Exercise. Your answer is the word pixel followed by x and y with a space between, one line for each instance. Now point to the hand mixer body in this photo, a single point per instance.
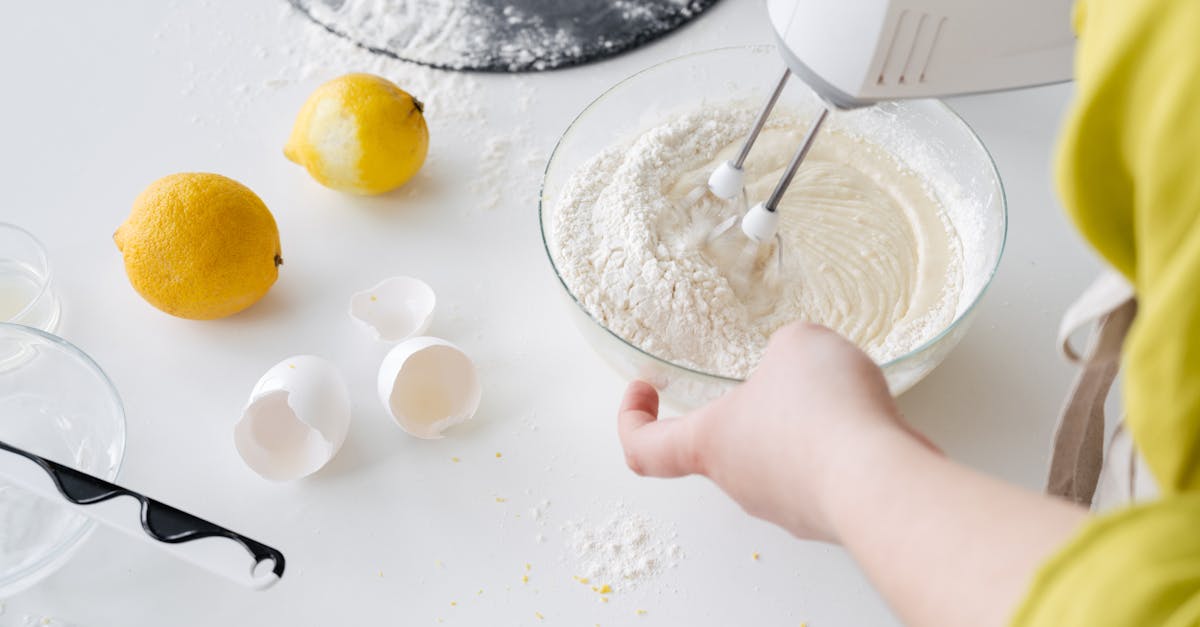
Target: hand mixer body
pixel 857 52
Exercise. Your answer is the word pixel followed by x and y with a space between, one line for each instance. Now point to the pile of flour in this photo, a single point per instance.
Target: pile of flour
pixel 867 249
pixel 624 550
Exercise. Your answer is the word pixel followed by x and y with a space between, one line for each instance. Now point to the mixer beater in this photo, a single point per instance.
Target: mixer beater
pixel 751 255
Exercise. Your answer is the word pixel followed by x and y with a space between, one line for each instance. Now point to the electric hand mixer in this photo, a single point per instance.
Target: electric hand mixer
pixel 854 54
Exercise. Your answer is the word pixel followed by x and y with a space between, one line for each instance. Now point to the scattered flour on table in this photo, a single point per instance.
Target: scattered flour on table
pixel 222 79
pixel 622 551
pixel 459 107
pixel 539 514
pixel 867 250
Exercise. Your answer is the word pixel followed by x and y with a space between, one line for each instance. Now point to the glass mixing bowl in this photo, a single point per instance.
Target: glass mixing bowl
pixel 55 402
pixel 925 135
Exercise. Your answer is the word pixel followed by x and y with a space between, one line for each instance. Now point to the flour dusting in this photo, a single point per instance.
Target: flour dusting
pixel 622 551
pixel 512 36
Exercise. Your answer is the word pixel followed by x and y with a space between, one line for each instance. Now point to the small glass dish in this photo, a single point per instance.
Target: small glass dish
pixel 926 135
pixel 26 294
pixel 54 402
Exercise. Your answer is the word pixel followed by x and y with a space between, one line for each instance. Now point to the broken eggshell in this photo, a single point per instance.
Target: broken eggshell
pixel 428 385
pixel 396 309
pixel 296 419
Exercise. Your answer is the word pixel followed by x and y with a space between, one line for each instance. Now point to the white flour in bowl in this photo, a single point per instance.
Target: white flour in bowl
pixel 867 249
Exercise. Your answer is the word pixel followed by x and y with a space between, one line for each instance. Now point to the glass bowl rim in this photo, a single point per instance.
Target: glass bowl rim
pixel 72 542
pixel 46 266
pixel 911 354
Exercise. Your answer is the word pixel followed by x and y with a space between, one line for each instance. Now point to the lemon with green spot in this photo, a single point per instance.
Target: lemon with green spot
pixel 361 134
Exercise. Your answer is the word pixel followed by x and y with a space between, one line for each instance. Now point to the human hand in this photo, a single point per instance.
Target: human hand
pixel 774 444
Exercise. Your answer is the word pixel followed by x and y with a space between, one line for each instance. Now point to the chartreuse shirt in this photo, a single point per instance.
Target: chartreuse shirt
pixel 1129 174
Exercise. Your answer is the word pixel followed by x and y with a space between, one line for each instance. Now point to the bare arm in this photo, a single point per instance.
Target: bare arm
pixel 943 544
pixel 814 443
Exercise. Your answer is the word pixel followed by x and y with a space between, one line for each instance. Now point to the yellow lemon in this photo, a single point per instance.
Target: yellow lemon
pixel 360 134
pixel 200 246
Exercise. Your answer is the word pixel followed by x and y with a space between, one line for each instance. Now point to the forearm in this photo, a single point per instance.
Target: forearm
pixel 944 544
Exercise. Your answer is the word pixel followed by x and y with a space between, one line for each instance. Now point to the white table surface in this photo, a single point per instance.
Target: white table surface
pixel 102 98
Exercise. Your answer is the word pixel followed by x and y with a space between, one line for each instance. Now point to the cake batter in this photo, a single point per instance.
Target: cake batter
pixel 866 248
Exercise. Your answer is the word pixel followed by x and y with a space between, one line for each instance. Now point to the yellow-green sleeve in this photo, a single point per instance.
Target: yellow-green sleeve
pixel 1139 567
pixel 1129 174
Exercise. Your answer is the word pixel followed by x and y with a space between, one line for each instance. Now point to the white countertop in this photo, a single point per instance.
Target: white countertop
pixel 103 98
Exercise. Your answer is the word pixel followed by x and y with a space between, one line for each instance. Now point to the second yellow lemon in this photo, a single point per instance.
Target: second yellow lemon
pixel 360 133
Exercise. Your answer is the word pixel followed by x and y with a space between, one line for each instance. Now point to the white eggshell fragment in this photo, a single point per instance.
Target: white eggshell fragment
pixel 296 419
pixel 428 385
pixel 396 309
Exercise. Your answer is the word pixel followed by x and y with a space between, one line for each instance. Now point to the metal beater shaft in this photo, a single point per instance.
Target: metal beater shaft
pixel 761 121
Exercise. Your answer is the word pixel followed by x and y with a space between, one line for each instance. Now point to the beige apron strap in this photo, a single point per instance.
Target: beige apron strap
pixel 1119 477
pixel 1105 295
pixel 1078 450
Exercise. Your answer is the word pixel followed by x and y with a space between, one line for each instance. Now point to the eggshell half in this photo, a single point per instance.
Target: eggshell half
pixel 396 309
pixel 296 419
pixel 428 385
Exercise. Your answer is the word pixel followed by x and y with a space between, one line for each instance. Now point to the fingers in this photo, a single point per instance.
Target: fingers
pixel 804 335
pixel 653 447
pixel 638 407
pixel 799 332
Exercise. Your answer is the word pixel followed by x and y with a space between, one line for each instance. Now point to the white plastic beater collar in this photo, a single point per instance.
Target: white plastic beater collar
pixel 760 223
pixel 726 181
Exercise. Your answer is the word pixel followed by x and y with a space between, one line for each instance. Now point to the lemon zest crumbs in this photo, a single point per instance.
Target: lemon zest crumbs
pixel 754 556
pixel 539 615
pixel 605 589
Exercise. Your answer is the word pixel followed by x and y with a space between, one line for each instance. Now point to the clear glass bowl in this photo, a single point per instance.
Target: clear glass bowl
pixel 26 292
pixel 55 402
pixel 926 135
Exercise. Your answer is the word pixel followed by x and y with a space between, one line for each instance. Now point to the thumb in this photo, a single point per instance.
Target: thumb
pixel 655 447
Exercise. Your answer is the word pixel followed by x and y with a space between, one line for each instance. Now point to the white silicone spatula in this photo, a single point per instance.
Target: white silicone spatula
pixel 179 533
